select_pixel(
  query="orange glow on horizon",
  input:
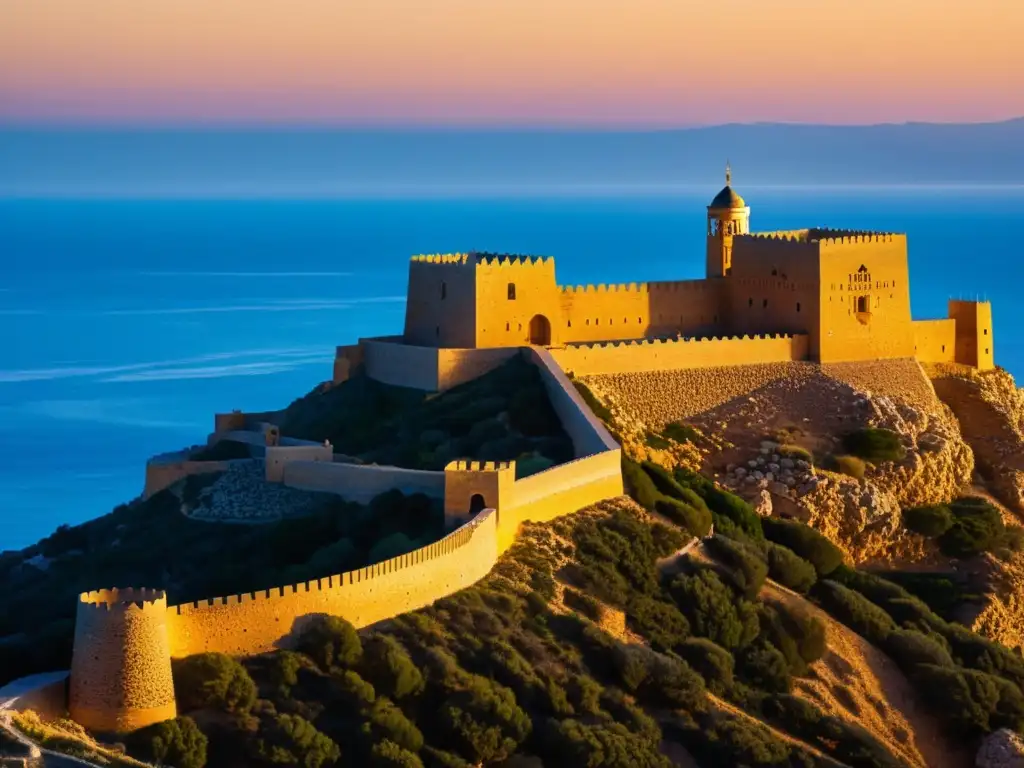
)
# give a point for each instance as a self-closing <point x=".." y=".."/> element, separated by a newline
<point x="646" y="62"/>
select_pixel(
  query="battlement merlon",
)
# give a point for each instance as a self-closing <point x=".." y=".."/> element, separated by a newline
<point x="124" y="599"/>
<point x="825" y="236"/>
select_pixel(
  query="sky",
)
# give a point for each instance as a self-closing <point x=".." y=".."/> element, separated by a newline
<point x="642" y="63"/>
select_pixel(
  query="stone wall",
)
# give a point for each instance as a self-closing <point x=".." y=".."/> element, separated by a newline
<point x="657" y="355"/>
<point x="121" y="665"/>
<point x="935" y="340"/>
<point x="168" y="468"/>
<point x="258" y="622"/>
<point x="278" y="457"/>
<point x="361" y="482"/>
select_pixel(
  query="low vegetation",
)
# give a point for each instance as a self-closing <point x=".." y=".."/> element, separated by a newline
<point x="874" y="445"/>
<point x="503" y="415"/>
<point x="964" y="528"/>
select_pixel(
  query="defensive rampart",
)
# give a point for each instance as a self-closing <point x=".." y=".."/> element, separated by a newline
<point x="361" y="482"/>
<point x="262" y="621"/>
<point x="656" y="355"/>
<point x="935" y="340"/>
<point x="121" y="665"/>
<point x="279" y="457"/>
<point x="431" y="369"/>
<point x="168" y="468"/>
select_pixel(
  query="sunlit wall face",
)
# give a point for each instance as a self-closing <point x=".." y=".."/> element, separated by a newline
<point x="643" y="62"/>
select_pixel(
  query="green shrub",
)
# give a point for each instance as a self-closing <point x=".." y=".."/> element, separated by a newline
<point x="805" y="629"/>
<point x="765" y="667"/>
<point x="977" y="527"/>
<point x="438" y="758"/>
<point x="724" y="504"/>
<point x="385" y="721"/>
<point x="680" y="432"/>
<point x="656" y="441"/>
<point x="600" y="409"/>
<point x="387" y="754"/>
<point x="851" y="466"/>
<point x="597" y="745"/>
<point x="789" y="569"/>
<point x="663" y="480"/>
<point x="713" y="609"/>
<point x="804" y="541"/>
<point x="583" y="603"/>
<point x="483" y="721"/>
<point x="351" y="691"/>
<point x="744" y="565"/>
<point x="387" y="666"/>
<point x="930" y="521"/>
<point x="855" y="611"/>
<point x="795" y="452"/>
<point x="282" y="670"/>
<point x="331" y="642"/>
<point x="909" y="648"/>
<point x="875" y="445"/>
<point x="213" y="681"/>
<point x="694" y="520"/>
<point x="660" y="622"/>
<point x="671" y="684"/>
<point x="980" y="653"/>
<point x="292" y="740"/>
<point x="176" y="742"/>
<point x="639" y="484"/>
<point x="710" y="661"/>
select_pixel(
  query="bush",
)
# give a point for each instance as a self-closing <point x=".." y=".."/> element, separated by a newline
<point x="724" y="504"/>
<point x="804" y="541"/>
<point x="600" y="409"/>
<point x="483" y="721"/>
<point x="711" y="661"/>
<point x="639" y="484"/>
<point x="765" y="667"/>
<point x="977" y="527"/>
<point x="387" y="754"/>
<point x="597" y="745"/>
<point x="583" y="603"/>
<point x="387" y="666"/>
<point x="283" y="671"/>
<point x="789" y="569"/>
<point x="713" y="609"/>
<point x="177" y="742"/>
<point x="795" y="452"/>
<point x="680" y="432"/>
<point x="909" y="648"/>
<point x="806" y="630"/>
<point x="213" y="681"/>
<point x="851" y="466"/>
<point x="292" y="740"/>
<point x="695" y="521"/>
<point x="855" y="611"/>
<point x="671" y="683"/>
<point x="745" y="566"/>
<point x="331" y="642"/>
<point x="660" y="622"/>
<point x="875" y="445"/>
<point x="930" y="521"/>
<point x="385" y="721"/>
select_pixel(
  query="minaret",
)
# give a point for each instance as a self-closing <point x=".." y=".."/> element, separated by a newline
<point x="728" y="215"/>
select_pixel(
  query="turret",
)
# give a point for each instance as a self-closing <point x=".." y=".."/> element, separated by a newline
<point x="728" y="215"/>
<point x="121" y="661"/>
<point x="974" y="343"/>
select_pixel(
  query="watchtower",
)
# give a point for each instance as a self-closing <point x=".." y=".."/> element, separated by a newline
<point x="974" y="343"/>
<point x="473" y="486"/>
<point x="728" y="216"/>
<point x="121" y="661"/>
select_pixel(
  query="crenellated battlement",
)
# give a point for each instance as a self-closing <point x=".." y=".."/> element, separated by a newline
<point x="511" y="260"/>
<point x="445" y="546"/>
<point x="661" y="286"/>
<point x="824" y="236"/>
<point x="442" y="258"/>
<point x="466" y="465"/>
<point x="124" y="599"/>
<point x="693" y="340"/>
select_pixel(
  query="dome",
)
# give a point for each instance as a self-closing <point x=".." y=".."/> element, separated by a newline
<point x="728" y="198"/>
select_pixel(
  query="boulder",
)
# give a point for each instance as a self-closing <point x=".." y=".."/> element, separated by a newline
<point x="762" y="504"/>
<point x="1001" y="749"/>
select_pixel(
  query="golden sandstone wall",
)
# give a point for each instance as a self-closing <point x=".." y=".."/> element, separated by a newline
<point x="655" y="355"/>
<point x="441" y="301"/>
<point x="935" y="340"/>
<point x="121" y="665"/>
<point x="165" y="470"/>
<point x="361" y="482"/>
<point x="259" y="622"/>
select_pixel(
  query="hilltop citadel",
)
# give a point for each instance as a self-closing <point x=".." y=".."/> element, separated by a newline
<point x="815" y="296"/>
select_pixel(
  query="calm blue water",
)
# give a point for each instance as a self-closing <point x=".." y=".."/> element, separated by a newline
<point x="126" y="324"/>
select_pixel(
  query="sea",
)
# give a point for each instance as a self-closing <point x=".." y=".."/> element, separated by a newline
<point x="125" y="324"/>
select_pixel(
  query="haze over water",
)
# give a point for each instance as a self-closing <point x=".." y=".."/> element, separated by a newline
<point x="128" y="323"/>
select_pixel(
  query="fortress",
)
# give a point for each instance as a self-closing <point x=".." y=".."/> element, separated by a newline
<point x="816" y="295"/>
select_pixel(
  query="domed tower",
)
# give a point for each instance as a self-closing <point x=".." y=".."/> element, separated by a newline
<point x="728" y="215"/>
<point x="121" y="661"/>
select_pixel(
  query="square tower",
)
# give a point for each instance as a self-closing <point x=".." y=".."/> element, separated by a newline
<point x="974" y="343"/>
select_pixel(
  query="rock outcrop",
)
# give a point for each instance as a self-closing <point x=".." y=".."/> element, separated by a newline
<point x="990" y="409"/>
<point x="1001" y="749"/>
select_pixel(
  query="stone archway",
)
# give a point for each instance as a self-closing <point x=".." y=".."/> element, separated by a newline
<point x="476" y="504"/>
<point x="540" y="331"/>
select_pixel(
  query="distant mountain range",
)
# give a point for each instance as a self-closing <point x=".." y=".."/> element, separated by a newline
<point x="319" y="161"/>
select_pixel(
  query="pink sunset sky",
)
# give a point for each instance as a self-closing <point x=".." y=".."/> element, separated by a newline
<point x="510" y="62"/>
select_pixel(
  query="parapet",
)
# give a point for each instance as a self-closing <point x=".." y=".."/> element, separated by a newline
<point x="465" y="465"/>
<point x="824" y="236"/>
<point x="674" y="342"/>
<point x="442" y="258"/>
<point x="484" y="259"/>
<point x="121" y="662"/>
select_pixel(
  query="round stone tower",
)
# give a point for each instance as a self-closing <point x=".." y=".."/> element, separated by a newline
<point x="121" y="662"/>
<point x="728" y="215"/>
